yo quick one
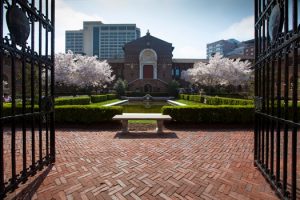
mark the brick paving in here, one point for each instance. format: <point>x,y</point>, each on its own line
<point>196,164</point>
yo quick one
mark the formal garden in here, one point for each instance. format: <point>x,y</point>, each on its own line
<point>194,157</point>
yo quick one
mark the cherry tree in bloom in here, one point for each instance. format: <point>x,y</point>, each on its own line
<point>65,69</point>
<point>82,71</point>
<point>92,72</point>
<point>219,71</point>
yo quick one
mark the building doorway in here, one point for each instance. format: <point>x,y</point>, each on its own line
<point>148,71</point>
<point>147,88</point>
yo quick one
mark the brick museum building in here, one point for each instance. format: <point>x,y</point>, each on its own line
<point>148,65</point>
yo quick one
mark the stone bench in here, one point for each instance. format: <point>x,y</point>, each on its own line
<point>142,116</point>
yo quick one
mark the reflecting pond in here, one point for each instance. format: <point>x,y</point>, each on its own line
<point>143,106</point>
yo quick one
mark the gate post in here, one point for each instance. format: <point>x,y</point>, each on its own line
<point>52,91</point>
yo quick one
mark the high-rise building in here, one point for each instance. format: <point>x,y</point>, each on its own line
<point>106,40</point>
<point>232,49</point>
<point>74,41</point>
<point>222,47</point>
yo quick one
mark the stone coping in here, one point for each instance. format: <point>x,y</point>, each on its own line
<point>141,116</point>
<point>116,103</point>
<point>176,103</point>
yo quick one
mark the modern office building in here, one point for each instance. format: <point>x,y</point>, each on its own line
<point>222,47</point>
<point>232,49</point>
<point>104,40</point>
<point>74,41</point>
<point>244,51</point>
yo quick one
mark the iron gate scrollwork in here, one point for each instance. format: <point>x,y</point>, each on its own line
<point>27,134</point>
<point>276,147</point>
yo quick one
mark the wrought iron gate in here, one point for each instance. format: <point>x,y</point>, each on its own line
<point>276,148</point>
<point>27,135</point>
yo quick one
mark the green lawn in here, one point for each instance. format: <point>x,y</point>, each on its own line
<point>142,121</point>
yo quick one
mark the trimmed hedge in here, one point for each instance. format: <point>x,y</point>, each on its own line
<point>98,98</point>
<point>211,114</point>
<point>196,98</point>
<point>111,96</point>
<point>18,109</point>
<point>74,113</point>
<point>227,101</point>
<point>85,114</point>
<point>73,101</point>
<point>216,100</point>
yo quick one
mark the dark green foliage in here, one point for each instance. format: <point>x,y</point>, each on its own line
<point>210,114</point>
<point>173,88</point>
<point>74,113</point>
<point>186,97</point>
<point>226,101</point>
<point>120,86</point>
<point>98,98</point>
<point>216,100</point>
<point>85,113</point>
<point>18,110</point>
<point>196,98</point>
<point>111,96</point>
<point>73,101</point>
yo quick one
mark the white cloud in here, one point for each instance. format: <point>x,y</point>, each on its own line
<point>242,30</point>
<point>67,18</point>
<point>189,52</point>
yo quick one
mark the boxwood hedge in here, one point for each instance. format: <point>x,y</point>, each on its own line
<point>98,98</point>
<point>216,100</point>
<point>73,101</point>
<point>211,114</point>
<point>85,114</point>
<point>111,96</point>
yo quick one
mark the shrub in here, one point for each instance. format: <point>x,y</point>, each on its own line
<point>120,86</point>
<point>73,101</point>
<point>74,113</point>
<point>98,98</point>
<point>18,109</point>
<point>211,114</point>
<point>111,96</point>
<point>85,113</point>
<point>186,97</point>
<point>173,88</point>
<point>196,98</point>
<point>226,101</point>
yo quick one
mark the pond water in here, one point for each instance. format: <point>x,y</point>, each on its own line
<point>143,106</point>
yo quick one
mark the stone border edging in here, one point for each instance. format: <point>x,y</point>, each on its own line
<point>176,103</point>
<point>116,103</point>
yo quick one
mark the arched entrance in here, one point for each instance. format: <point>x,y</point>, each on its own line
<point>148,64</point>
<point>147,88</point>
<point>148,71</point>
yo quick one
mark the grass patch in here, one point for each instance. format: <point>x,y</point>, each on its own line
<point>142,121</point>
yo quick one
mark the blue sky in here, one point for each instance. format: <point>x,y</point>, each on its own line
<point>188,24</point>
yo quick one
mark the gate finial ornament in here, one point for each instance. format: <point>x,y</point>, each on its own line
<point>18,25</point>
<point>275,22</point>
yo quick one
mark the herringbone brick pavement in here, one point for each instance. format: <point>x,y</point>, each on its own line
<point>194,164</point>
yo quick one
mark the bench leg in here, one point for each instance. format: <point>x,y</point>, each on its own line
<point>125,126</point>
<point>160,126</point>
